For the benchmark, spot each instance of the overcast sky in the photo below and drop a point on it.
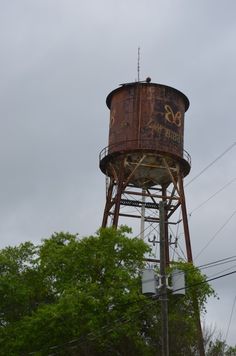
(59, 60)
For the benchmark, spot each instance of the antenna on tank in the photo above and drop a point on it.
(138, 64)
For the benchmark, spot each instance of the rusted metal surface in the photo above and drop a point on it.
(146, 151)
(120, 193)
(146, 119)
(115, 148)
(120, 187)
(185, 220)
(109, 203)
(148, 114)
(147, 172)
(145, 158)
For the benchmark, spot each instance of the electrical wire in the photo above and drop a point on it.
(175, 252)
(138, 210)
(177, 245)
(222, 261)
(212, 196)
(210, 164)
(206, 281)
(193, 179)
(210, 265)
(213, 264)
(151, 300)
(126, 195)
(103, 330)
(151, 224)
(202, 204)
(224, 270)
(218, 262)
(215, 235)
(184, 256)
(230, 319)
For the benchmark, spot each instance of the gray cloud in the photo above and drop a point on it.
(59, 60)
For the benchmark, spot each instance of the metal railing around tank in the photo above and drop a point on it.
(123, 146)
(187, 157)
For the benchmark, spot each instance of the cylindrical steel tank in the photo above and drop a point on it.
(146, 117)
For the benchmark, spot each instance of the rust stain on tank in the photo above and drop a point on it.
(146, 118)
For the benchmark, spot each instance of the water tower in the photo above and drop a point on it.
(145, 161)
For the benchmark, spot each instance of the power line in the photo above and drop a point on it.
(220, 264)
(211, 265)
(230, 319)
(211, 164)
(153, 228)
(207, 280)
(212, 196)
(215, 264)
(174, 249)
(217, 232)
(151, 300)
(122, 320)
(224, 270)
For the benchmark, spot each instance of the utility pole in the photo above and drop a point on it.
(163, 289)
(142, 224)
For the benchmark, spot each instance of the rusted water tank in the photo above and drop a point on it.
(146, 118)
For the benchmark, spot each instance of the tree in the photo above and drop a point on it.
(184, 313)
(218, 347)
(69, 288)
(82, 296)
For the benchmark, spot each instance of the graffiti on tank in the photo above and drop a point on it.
(171, 117)
(163, 131)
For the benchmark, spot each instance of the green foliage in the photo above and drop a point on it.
(184, 310)
(83, 297)
(220, 348)
(69, 288)
(19, 282)
(196, 285)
